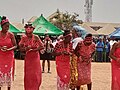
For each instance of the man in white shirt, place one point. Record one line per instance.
(112, 41)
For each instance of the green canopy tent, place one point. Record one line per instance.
(42, 27)
(12, 28)
(42, 31)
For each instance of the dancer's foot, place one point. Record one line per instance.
(48, 72)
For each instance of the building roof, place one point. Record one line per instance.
(18, 25)
(102, 28)
(89, 29)
(106, 30)
(32, 19)
(99, 24)
(102, 24)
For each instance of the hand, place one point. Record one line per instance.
(118, 60)
(65, 52)
(28, 48)
(81, 59)
(35, 49)
(72, 51)
(88, 62)
(4, 48)
(42, 51)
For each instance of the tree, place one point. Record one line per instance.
(65, 20)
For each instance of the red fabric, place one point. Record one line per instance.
(84, 63)
(116, 71)
(32, 68)
(63, 66)
(6, 61)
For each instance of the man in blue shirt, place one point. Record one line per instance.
(107, 50)
(99, 49)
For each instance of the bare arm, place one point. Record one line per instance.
(93, 50)
(22, 48)
(14, 44)
(41, 45)
(21, 45)
(56, 51)
(76, 51)
(112, 52)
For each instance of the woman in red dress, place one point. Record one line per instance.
(31, 44)
(7, 46)
(115, 56)
(62, 51)
(84, 51)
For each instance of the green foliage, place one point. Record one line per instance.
(65, 20)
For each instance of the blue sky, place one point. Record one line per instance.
(103, 10)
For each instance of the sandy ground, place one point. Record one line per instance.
(101, 77)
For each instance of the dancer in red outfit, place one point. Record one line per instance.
(7, 46)
(31, 44)
(115, 55)
(62, 52)
(84, 51)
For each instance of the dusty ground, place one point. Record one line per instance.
(101, 77)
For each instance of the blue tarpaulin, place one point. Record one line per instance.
(80, 30)
(115, 34)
